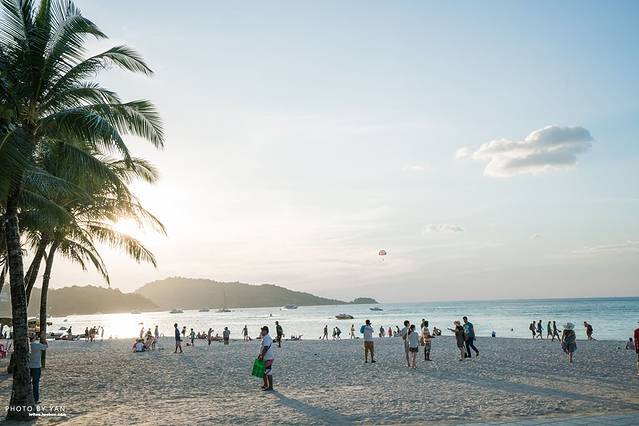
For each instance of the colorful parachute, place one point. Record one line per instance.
(382, 253)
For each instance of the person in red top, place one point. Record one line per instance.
(637, 347)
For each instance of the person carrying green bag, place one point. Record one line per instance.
(265, 357)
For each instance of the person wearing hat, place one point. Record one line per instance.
(569, 340)
(266, 354)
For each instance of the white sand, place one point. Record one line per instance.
(327, 382)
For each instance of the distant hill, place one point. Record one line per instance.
(189, 293)
(83, 300)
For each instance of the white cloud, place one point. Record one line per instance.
(443, 227)
(414, 168)
(629, 246)
(550, 148)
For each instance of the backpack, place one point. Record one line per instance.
(361, 329)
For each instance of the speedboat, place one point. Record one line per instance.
(343, 316)
(291, 306)
(176, 311)
(375, 308)
(204, 310)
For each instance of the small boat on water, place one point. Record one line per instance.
(176, 311)
(204, 310)
(291, 306)
(343, 316)
(375, 308)
(136, 312)
(223, 310)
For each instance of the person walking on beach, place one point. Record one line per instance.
(35, 365)
(352, 331)
(226, 334)
(413, 345)
(325, 337)
(569, 340)
(459, 339)
(588, 328)
(404, 334)
(426, 340)
(368, 331)
(637, 347)
(279, 332)
(540, 330)
(266, 354)
(555, 332)
(245, 332)
(532, 329)
(192, 336)
(469, 336)
(338, 332)
(178, 339)
(549, 330)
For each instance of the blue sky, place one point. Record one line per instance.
(303, 137)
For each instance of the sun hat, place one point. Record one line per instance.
(569, 326)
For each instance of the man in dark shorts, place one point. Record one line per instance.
(469, 337)
(178, 339)
(279, 332)
(266, 354)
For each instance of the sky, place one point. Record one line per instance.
(491, 148)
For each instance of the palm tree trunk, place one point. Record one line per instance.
(43, 297)
(3, 274)
(21, 392)
(32, 272)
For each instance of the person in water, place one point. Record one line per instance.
(569, 340)
(178, 339)
(459, 339)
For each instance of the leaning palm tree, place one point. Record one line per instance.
(47, 95)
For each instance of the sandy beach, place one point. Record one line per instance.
(319, 382)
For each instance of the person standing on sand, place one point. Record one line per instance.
(156, 333)
(459, 339)
(531, 327)
(352, 331)
(245, 332)
(192, 336)
(279, 332)
(555, 332)
(637, 347)
(101, 333)
(588, 330)
(390, 332)
(569, 340)
(184, 332)
(426, 340)
(404, 334)
(381, 331)
(413, 345)
(209, 334)
(540, 330)
(469, 336)
(35, 365)
(226, 335)
(325, 332)
(266, 354)
(339, 333)
(368, 331)
(178, 339)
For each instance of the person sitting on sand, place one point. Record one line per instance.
(367, 331)
(588, 330)
(426, 341)
(459, 339)
(413, 345)
(178, 339)
(569, 340)
(436, 332)
(138, 346)
(226, 334)
(630, 345)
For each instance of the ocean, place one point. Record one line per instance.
(611, 318)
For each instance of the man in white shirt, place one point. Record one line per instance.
(36, 365)
(266, 354)
(404, 333)
(368, 342)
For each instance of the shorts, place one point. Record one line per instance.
(415, 350)
(226, 341)
(268, 369)
(368, 346)
(427, 346)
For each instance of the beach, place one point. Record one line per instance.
(327, 382)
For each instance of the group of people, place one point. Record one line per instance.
(91, 333)
(537, 330)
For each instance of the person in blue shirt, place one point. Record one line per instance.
(178, 339)
(469, 337)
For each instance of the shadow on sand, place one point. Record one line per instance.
(317, 414)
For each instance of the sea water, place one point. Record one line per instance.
(611, 318)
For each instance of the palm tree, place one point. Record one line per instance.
(46, 96)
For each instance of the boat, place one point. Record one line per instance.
(223, 310)
(290, 306)
(343, 316)
(204, 310)
(176, 311)
(375, 308)
(136, 312)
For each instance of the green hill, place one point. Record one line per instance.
(189, 293)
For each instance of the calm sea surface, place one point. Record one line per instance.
(612, 318)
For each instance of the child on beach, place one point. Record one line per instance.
(178, 339)
(426, 341)
(569, 340)
(459, 338)
(413, 345)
